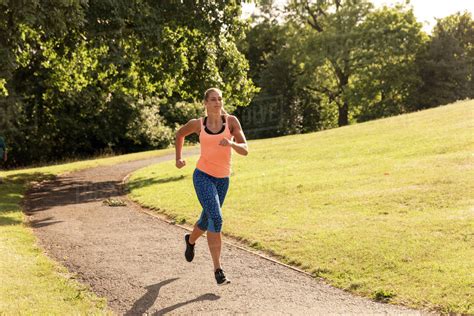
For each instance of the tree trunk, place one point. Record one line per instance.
(343, 81)
(343, 118)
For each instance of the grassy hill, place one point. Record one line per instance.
(384, 209)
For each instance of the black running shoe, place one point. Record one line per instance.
(189, 253)
(220, 277)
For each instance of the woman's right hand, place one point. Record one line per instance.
(180, 163)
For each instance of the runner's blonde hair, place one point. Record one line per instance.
(219, 92)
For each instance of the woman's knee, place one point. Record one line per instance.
(215, 224)
(202, 225)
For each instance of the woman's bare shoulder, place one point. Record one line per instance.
(233, 120)
(195, 121)
(196, 124)
(192, 126)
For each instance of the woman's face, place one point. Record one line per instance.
(214, 102)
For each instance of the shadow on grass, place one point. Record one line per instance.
(5, 221)
(12, 189)
(24, 178)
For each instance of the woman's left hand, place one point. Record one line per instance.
(225, 142)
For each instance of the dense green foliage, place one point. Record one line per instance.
(330, 63)
(80, 77)
(447, 62)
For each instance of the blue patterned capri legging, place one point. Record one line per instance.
(211, 193)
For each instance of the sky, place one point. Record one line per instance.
(425, 10)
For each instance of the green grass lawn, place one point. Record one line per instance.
(383, 209)
(30, 282)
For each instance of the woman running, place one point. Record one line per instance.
(218, 133)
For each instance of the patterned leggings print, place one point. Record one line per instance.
(211, 193)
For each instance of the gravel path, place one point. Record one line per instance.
(136, 260)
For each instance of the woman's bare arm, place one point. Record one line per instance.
(193, 126)
(240, 143)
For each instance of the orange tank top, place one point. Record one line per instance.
(215, 159)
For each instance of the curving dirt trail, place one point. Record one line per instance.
(136, 260)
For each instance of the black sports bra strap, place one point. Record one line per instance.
(209, 131)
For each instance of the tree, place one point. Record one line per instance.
(349, 46)
(447, 64)
(385, 77)
(333, 25)
(24, 28)
(80, 77)
(268, 50)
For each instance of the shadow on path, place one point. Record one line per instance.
(43, 222)
(204, 297)
(145, 182)
(148, 299)
(66, 191)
